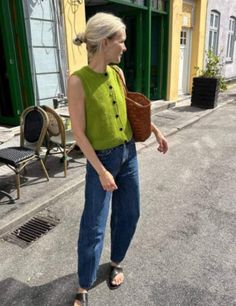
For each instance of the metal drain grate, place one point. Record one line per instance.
(31, 230)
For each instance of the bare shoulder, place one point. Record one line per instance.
(75, 87)
(74, 81)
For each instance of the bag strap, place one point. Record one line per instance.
(116, 68)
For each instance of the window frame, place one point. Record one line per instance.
(231, 40)
(214, 31)
(48, 17)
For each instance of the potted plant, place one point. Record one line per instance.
(208, 83)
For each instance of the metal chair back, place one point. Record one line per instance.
(34, 125)
(55, 125)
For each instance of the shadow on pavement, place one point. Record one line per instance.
(60, 292)
(190, 109)
(34, 175)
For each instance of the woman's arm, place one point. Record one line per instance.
(163, 145)
(76, 99)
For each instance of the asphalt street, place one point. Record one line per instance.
(183, 253)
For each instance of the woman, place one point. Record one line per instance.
(103, 133)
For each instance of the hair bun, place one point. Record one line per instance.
(79, 39)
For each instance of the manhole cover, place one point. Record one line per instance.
(32, 230)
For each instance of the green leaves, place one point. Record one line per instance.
(213, 69)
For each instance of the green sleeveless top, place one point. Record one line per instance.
(107, 125)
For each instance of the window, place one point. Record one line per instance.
(214, 31)
(43, 23)
(183, 37)
(231, 39)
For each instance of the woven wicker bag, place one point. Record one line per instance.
(139, 115)
(138, 111)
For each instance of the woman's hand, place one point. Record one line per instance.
(107, 181)
(163, 145)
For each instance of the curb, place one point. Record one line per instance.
(11, 224)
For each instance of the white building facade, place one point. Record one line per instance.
(221, 34)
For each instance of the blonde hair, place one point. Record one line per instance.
(99, 27)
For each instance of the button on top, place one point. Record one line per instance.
(110, 87)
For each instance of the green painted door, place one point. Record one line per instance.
(132, 63)
(159, 51)
(15, 76)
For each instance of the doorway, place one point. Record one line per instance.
(159, 53)
(184, 62)
(132, 59)
(145, 61)
(132, 63)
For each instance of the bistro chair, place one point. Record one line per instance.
(58, 140)
(33, 128)
(7, 195)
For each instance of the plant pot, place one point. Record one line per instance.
(205, 92)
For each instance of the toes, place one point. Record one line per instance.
(118, 279)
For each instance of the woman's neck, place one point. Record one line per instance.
(98, 64)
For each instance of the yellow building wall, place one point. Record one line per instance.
(175, 24)
(180, 15)
(74, 21)
(198, 37)
(187, 15)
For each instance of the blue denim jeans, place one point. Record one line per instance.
(121, 161)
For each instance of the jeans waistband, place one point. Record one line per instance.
(126, 142)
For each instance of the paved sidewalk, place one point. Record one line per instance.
(37, 193)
